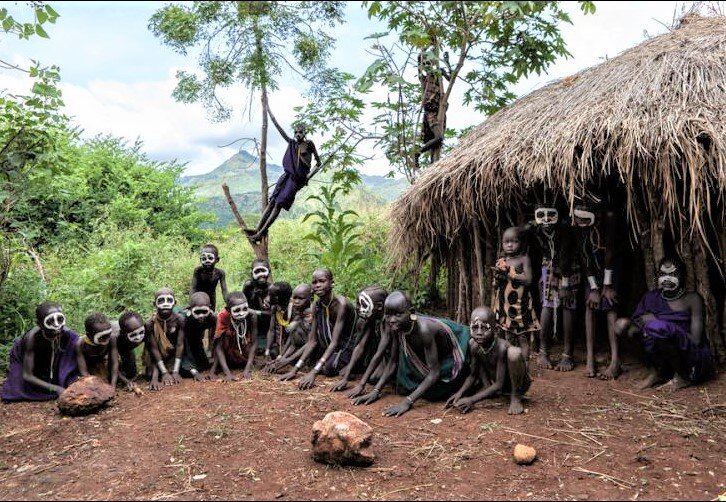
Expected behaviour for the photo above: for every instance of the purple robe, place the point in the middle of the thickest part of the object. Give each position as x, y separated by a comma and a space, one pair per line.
673, 327
292, 180
65, 371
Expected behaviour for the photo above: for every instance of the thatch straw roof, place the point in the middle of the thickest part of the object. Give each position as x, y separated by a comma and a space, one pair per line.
655, 115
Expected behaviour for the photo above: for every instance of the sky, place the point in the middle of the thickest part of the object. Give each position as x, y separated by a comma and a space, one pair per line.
117, 78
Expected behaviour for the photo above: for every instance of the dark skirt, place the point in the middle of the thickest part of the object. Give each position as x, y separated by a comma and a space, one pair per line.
285, 191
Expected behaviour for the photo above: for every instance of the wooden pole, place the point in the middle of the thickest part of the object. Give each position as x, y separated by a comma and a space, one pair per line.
480, 275
703, 287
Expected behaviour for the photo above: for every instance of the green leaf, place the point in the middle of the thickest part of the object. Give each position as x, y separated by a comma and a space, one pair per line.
40, 31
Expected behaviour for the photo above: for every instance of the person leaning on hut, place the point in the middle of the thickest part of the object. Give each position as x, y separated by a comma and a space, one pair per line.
671, 323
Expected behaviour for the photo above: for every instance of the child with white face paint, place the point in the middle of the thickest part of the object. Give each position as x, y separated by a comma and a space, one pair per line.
235, 338
198, 329
370, 345
207, 276
164, 346
256, 290
43, 361
94, 350
131, 335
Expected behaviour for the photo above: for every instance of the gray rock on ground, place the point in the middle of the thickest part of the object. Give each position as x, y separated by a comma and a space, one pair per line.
86, 395
342, 439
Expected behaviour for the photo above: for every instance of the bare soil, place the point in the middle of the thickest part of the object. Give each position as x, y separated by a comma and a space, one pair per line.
251, 440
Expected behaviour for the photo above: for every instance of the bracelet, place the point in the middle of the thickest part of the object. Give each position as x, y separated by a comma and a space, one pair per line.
177, 365
299, 364
162, 367
593, 283
608, 277
267, 352
566, 356
318, 367
410, 401
194, 372
565, 282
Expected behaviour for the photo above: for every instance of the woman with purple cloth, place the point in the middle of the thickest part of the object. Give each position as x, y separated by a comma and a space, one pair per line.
42, 361
671, 322
296, 164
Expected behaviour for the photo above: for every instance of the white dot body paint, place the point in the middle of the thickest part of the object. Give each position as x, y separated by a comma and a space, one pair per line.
137, 335
239, 312
164, 302
207, 258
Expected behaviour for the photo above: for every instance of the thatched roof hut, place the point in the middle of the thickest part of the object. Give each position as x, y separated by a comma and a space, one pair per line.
649, 125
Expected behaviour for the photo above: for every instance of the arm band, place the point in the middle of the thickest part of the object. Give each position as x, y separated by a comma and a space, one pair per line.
608, 279
299, 364
162, 367
565, 282
593, 282
177, 365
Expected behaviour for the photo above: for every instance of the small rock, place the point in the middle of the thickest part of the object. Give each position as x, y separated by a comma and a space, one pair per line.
436, 421
524, 455
342, 439
86, 395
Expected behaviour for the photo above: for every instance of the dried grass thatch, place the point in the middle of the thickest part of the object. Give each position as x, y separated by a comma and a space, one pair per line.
654, 116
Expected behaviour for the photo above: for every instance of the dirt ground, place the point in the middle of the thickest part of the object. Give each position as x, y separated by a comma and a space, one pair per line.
251, 440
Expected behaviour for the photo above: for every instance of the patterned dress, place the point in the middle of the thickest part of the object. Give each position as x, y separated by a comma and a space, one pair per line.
512, 304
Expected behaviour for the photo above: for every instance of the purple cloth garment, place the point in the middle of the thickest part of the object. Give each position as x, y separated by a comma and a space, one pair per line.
673, 327
292, 180
64, 373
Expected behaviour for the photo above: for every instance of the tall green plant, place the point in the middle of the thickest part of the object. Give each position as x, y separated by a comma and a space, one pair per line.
336, 235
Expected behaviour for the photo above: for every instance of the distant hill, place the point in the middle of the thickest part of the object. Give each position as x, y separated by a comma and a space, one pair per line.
241, 172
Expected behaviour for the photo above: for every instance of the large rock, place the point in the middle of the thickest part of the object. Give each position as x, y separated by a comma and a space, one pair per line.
342, 439
86, 395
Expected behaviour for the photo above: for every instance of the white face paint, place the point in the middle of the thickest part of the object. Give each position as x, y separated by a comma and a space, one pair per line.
207, 258
365, 305
260, 272
137, 335
668, 282
164, 302
239, 312
200, 313
583, 218
102, 337
546, 216
54, 321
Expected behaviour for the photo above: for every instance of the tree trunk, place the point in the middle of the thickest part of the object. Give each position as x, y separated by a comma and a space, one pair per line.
480, 275
645, 240
491, 258
432, 290
452, 285
703, 286
260, 249
689, 259
264, 184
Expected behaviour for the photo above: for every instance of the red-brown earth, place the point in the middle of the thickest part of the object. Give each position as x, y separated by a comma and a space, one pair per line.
251, 440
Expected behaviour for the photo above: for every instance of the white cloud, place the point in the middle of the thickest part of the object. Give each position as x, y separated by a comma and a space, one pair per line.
140, 106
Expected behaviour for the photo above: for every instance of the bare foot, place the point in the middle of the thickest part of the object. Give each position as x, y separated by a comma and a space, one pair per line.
612, 372
543, 361
649, 381
515, 406
675, 383
565, 364
590, 371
